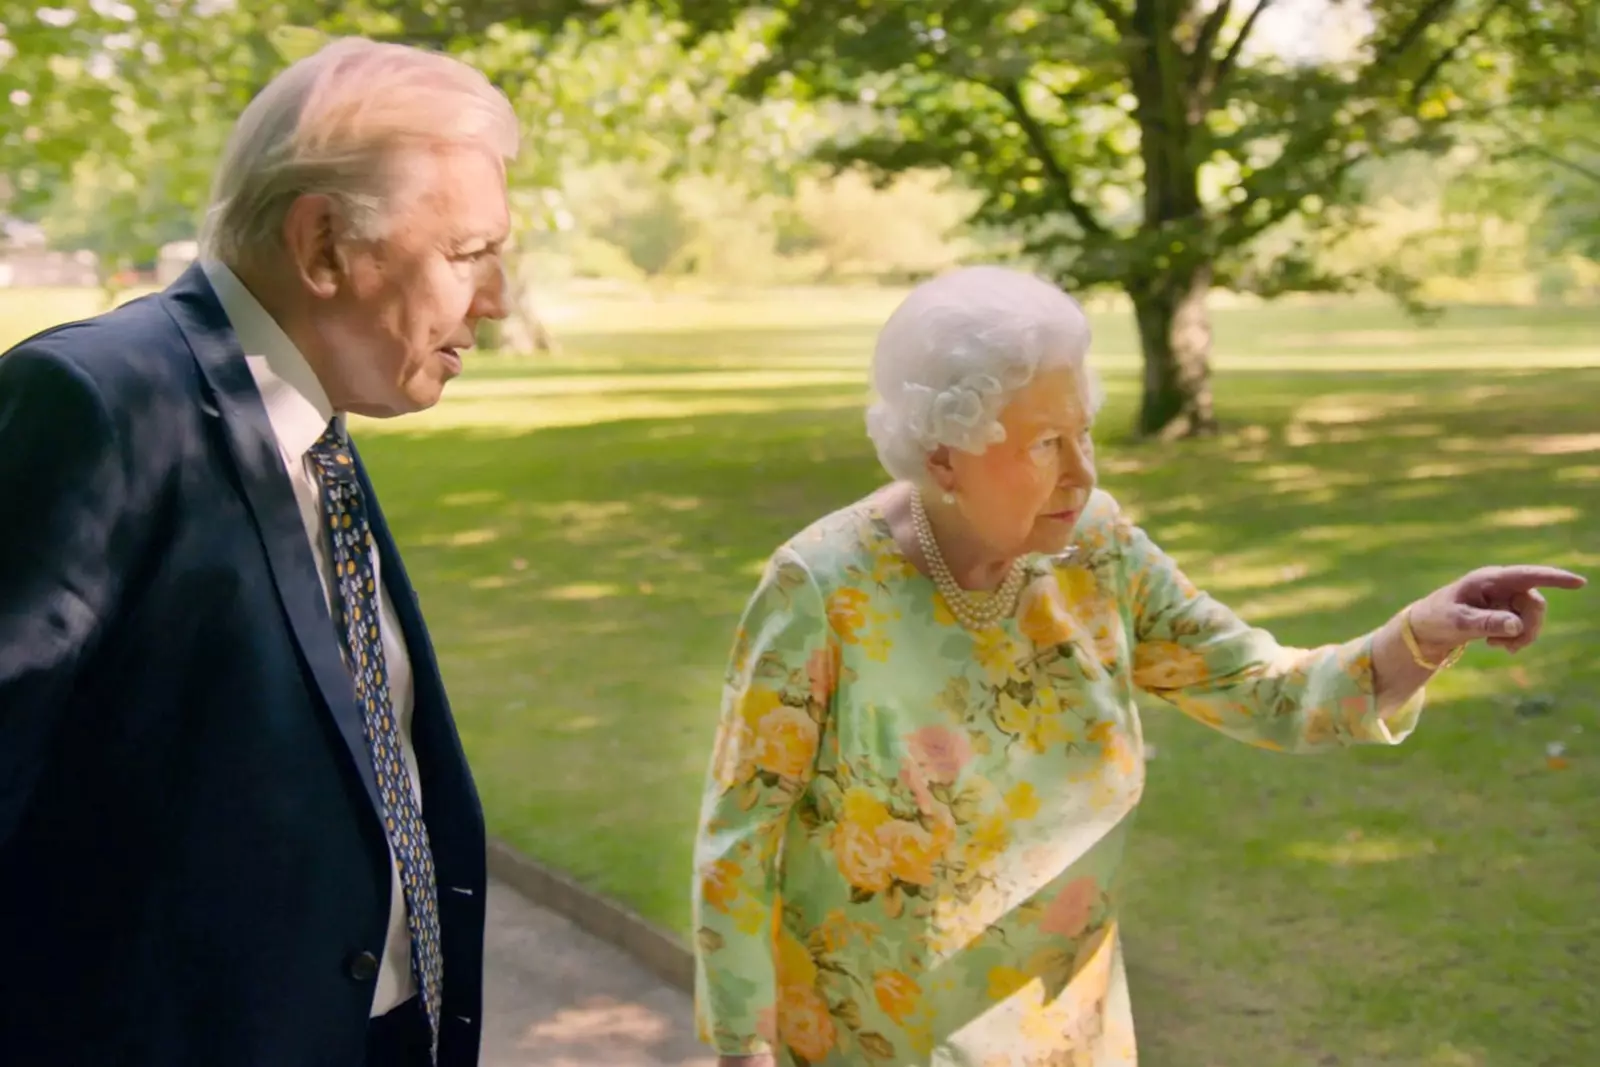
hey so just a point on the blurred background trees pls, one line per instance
(1170, 151)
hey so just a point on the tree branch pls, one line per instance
(1448, 54)
(1311, 138)
(1287, 205)
(1011, 92)
(1224, 66)
(1528, 146)
(1204, 42)
(1409, 36)
(1117, 16)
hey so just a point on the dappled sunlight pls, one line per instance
(1356, 407)
(1526, 444)
(600, 1019)
(605, 1029)
(1418, 491)
(476, 499)
(1302, 600)
(1558, 444)
(1477, 394)
(583, 591)
(1529, 518)
(1294, 477)
(1177, 532)
(1358, 849)
(1418, 358)
(460, 538)
(1230, 577)
(1353, 534)
(579, 516)
(1435, 337)
(1438, 470)
(1306, 434)
(535, 413)
(1121, 465)
(1579, 474)
(1415, 430)
(1449, 1055)
(613, 384)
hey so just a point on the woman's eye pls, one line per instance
(1045, 447)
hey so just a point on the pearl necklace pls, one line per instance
(974, 611)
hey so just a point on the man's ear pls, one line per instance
(310, 237)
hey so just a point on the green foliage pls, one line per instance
(1158, 146)
(1143, 144)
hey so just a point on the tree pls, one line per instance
(1143, 144)
(120, 109)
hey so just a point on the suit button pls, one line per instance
(363, 966)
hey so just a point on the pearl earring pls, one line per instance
(949, 498)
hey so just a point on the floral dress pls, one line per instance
(911, 835)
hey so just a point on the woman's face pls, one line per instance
(1025, 493)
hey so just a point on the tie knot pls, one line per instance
(331, 454)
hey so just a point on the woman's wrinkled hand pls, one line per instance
(1500, 605)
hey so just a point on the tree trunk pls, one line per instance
(1169, 293)
(1175, 336)
(524, 330)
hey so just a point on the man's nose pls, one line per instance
(493, 298)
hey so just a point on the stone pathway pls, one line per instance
(556, 997)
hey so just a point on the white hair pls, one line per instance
(955, 352)
(338, 123)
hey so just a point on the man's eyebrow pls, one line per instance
(475, 242)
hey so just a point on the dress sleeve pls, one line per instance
(777, 693)
(1193, 652)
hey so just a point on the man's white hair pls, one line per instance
(341, 123)
(955, 352)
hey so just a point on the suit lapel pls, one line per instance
(272, 505)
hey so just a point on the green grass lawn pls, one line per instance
(584, 530)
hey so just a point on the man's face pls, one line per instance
(409, 303)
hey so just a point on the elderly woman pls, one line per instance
(929, 754)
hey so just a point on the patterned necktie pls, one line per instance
(357, 609)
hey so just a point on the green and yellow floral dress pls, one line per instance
(911, 835)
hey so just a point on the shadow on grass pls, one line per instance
(1426, 904)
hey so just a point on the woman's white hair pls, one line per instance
(340, 123)
(955, 352)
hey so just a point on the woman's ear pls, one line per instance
(940, 471)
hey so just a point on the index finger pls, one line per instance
(1527, 576)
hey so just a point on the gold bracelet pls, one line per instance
(1409, 635)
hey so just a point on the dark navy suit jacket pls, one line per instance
(192, 868)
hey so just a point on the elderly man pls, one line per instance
(236, 823)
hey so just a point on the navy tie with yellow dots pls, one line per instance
(357, 615)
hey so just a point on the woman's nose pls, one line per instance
(1077, 468)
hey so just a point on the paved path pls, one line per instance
(556, 997)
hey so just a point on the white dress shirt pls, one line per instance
(299, 411)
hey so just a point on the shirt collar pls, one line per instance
(297, 406)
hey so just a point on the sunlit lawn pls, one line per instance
(584, 530)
